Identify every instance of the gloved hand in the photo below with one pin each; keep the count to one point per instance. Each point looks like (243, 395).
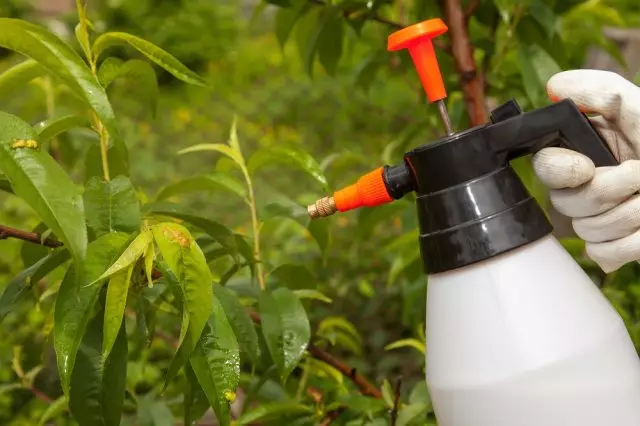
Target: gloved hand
(602, 202)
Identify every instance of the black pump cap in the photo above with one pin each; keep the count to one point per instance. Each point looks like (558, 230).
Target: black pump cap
(471, 204)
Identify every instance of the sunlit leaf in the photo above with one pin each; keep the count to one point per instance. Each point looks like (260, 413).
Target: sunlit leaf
(217, 147)
(216, 363)
(131, 254)
(40, 181)
(403, 343)
(285, 327)
(54, 409)
(151, 51)
(75, 302)
(189, 266)
(312, 294)
(410, 413)
(115, 304)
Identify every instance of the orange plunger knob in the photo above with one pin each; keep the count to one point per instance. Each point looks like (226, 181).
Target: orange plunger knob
(370, 190)
(417, 38)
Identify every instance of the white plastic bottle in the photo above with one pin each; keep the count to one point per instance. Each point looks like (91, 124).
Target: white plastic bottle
(525, 338)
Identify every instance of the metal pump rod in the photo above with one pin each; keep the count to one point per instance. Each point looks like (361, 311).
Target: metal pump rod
(444, 114)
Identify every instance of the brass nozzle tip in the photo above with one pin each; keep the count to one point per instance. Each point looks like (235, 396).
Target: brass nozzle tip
(322, 208)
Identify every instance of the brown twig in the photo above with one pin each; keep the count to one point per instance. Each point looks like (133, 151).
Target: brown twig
(462, 50)
(471, 8)
(40, 395)
(32, 237)
(363, 384)
(332, 415)
(396, 402)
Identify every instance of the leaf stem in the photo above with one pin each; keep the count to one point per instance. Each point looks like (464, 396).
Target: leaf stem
(256, 230)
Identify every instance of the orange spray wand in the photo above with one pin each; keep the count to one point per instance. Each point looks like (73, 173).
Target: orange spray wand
(385, 184)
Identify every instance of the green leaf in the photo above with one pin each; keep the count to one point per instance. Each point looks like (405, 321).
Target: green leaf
(63, 62)
(54, 409)
(81, 30)
(294, 276)
(151, 51)
(308, 30)
(187, 262)
(30, 252)
(285, 327)
(40, 181)
(21, 284)
(544, 15)
(240, 321)
(236, 156)
(410, 413)
(403, 343)
(149, 257)
(97, 385)
(76, 300)
(330, 41)
(232, 243)
(276, 410)
(210, 182)
(135, 251)
(49, 129)
(363, 404)
(17, 76)
(319, 230)
(312, 294)
(153, 413)
(111, 206)
(286, 19)
(140, 72)
(115, 304)
(287, 155)
(216, 363)
(195, 400)
(536, 67)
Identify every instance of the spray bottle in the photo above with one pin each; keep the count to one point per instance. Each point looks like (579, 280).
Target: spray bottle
(516, 333)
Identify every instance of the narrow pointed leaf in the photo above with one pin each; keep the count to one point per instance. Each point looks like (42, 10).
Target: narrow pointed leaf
(240, 321)
(149, 257)
(195, 400)
(210, 182)
(76, 300)
(19, 75)
(285, 327)
(276, 410)
(410, 413)
(287, 155)
(49, 129)
(312, 294)
(112, 206)
(97, 386)
(21, 284)
(216, 363)
(136, 249)
(188, 264)
(115, 304)
(217, 147)
(40, 181)
(56, 408)
(62, 61)
(151, 51)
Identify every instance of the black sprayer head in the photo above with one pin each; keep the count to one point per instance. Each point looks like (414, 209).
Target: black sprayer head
(471, 203)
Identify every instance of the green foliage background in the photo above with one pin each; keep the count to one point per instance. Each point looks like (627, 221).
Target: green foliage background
(321, 91)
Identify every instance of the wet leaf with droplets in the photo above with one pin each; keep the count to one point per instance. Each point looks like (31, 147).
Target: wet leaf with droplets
(285, 327)
(216, 362)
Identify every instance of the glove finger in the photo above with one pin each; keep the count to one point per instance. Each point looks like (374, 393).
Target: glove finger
(601, 92)
(612, 255)
(562, 168)
(620, 146)
(609, 187)
(616, 223)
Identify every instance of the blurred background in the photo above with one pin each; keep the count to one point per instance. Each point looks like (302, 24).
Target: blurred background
(333, 90)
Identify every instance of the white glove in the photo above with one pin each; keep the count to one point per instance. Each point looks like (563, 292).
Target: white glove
(601, 201)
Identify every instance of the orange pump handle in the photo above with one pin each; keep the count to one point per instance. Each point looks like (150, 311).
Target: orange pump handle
(370, 190)
(418, 39)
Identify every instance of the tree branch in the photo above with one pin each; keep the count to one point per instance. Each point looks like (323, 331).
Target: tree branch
(471, 8)
(365, 387)
(462, 50)
(32, 237)
(396, 402)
